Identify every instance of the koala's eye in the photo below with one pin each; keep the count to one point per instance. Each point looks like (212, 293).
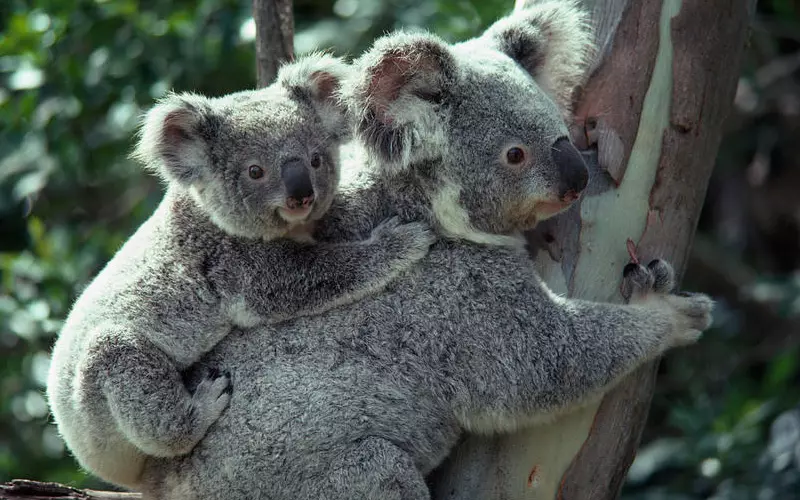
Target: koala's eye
(515, 156)
(255, 172)
(316, 160)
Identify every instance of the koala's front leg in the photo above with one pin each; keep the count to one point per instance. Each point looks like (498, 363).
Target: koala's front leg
(318, 277)
(580, 349)
(149, 401)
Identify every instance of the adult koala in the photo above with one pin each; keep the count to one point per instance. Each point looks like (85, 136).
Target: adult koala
(364, 401)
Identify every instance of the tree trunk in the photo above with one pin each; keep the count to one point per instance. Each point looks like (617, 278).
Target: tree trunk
(661, 86)
(274, 37)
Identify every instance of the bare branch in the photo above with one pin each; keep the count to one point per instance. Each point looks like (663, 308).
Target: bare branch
(21, 489)
(274, 37)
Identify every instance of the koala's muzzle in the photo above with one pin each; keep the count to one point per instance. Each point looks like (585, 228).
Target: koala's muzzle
(574, 175)
(297, 182)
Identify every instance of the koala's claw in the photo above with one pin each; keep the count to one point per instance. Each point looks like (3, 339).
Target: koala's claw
(663, 276)
(639, 281)
(229, 388)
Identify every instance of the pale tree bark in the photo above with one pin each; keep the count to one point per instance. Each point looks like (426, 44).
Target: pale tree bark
(660, 88)
(274, 37)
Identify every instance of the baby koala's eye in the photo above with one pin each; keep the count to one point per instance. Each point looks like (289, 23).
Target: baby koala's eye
(255, 172)
(316, 160)
(515, 156)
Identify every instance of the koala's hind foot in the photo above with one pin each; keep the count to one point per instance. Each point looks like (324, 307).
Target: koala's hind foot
(654, 286)
(211, 397)
(375, 469)
(151, 404)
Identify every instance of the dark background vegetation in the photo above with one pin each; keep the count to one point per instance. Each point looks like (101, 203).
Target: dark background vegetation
(76, 74)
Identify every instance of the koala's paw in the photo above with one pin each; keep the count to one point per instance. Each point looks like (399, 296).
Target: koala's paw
(693, 316)
(689, 313)
(210, 398)
(411, 240)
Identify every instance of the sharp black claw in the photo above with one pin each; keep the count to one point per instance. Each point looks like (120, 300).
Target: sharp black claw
(629, 268)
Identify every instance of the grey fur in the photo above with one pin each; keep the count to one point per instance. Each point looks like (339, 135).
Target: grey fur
(201, 266)
(364, 401)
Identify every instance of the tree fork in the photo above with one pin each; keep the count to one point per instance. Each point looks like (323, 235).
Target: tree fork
(660, 88)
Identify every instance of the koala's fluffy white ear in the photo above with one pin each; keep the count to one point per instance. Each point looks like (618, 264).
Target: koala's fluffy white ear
(319, 77)
(552, 40)
(396, 95)
(173, 139)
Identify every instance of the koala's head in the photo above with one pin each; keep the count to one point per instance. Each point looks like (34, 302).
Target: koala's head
(259, 162)
(483, 120)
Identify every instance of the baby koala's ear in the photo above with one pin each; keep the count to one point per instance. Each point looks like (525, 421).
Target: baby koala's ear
(174, 138)
(552, 40)
(318, 77)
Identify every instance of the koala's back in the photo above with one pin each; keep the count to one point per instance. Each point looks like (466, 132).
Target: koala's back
(383, 367)
(144, 265)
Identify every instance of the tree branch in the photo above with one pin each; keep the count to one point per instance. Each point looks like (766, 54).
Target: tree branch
(274, 37)
(19, 489)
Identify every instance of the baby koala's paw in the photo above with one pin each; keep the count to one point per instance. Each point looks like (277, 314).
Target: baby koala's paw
(210, 398)
(411, 240)
(689, 313)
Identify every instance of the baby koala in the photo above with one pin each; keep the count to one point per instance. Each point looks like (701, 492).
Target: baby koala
(229, 246)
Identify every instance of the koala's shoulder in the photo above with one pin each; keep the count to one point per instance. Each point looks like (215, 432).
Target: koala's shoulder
(172, 239)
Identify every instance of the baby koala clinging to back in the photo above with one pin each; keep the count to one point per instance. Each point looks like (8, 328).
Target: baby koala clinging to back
(240, 169)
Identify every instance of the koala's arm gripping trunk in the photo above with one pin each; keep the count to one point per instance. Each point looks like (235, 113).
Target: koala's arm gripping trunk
(657, 127)
(567, 352)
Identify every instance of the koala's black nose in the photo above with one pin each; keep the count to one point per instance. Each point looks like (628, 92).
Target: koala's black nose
(574, 176)
(297, 181)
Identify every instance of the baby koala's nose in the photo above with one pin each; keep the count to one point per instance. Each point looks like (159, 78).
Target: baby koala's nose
(297, 182)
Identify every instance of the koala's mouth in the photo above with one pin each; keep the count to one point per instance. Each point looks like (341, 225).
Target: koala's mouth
(547, 209)
(295, 215)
